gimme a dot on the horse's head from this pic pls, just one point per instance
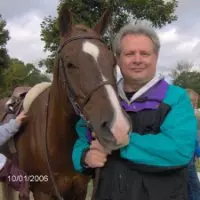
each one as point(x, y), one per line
point(86, 65)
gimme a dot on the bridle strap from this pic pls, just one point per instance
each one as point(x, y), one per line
point(72, 96)
point(77, 38)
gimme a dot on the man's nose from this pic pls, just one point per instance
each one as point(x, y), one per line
point(137, 58)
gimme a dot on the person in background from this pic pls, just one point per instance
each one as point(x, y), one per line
point(7, 168)
point(193, 180)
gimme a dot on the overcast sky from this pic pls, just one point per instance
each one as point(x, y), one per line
point(180, 40)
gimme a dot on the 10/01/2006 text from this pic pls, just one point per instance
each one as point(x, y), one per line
point(29, 178)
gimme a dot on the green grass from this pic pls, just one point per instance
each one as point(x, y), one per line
point(198, 165)
point(89, 191)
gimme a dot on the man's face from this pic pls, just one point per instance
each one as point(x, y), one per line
point(137, 59)
point(194, 100)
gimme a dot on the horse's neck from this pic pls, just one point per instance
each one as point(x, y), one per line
point(61, 122)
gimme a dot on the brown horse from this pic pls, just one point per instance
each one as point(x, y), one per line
point(84, 82)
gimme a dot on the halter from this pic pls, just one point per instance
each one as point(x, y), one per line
point(71, 94)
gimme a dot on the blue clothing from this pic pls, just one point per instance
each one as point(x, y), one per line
point(80, 144)
point(172, 147)
point(7, 130)
point(197, 149)
point(193, 182)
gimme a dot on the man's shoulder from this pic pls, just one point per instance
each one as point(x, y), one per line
point(176, 89)
point(174, 94)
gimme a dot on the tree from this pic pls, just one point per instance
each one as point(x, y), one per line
point(189, 80)
point(184, 77)
point(4, 37)
point(158, 12)
point(19, 74)
point(182, 66)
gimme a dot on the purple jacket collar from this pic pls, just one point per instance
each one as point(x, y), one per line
point(149, 100)
point(158, 91)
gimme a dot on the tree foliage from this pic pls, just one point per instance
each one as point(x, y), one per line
point(4, 37)
point(184, 77)
point(13, 72)
point(189, 80)
point(18, 74)
point(158, 12)
point(182, 66)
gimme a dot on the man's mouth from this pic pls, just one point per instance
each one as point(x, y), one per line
point(137, 69)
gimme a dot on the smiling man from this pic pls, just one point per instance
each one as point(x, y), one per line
point(153, 166)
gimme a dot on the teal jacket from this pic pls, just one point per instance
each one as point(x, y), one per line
point(172, 147)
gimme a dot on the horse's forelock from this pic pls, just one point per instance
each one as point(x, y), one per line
point(82, 28)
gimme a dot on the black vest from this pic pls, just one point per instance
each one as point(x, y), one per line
point(121, 179)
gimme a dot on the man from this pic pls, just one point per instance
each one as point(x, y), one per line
point(153, 166)
point(193, 181)
point(7, 168)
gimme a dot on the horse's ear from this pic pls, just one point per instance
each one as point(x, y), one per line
point(102, 24)
point(65, 20)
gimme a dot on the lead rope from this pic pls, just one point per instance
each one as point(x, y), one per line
point(58, 195)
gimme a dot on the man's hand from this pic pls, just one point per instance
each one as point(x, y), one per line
point(21, 118)
point(96, 155)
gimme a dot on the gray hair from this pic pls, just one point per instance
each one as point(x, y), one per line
point(136, 30)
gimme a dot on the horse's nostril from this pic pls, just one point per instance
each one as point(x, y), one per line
point(104, 124)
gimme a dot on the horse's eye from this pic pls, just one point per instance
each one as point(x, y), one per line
point(70, 65)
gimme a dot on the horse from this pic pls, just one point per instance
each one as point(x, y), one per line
point(84, 86)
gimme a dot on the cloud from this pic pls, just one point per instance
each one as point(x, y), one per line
point(25, 42)
point(12, 9)
point(188, 46)
point(179, 40)
point(169, 35)
point(179, 43)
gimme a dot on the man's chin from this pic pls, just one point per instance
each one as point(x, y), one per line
point(140, 79)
